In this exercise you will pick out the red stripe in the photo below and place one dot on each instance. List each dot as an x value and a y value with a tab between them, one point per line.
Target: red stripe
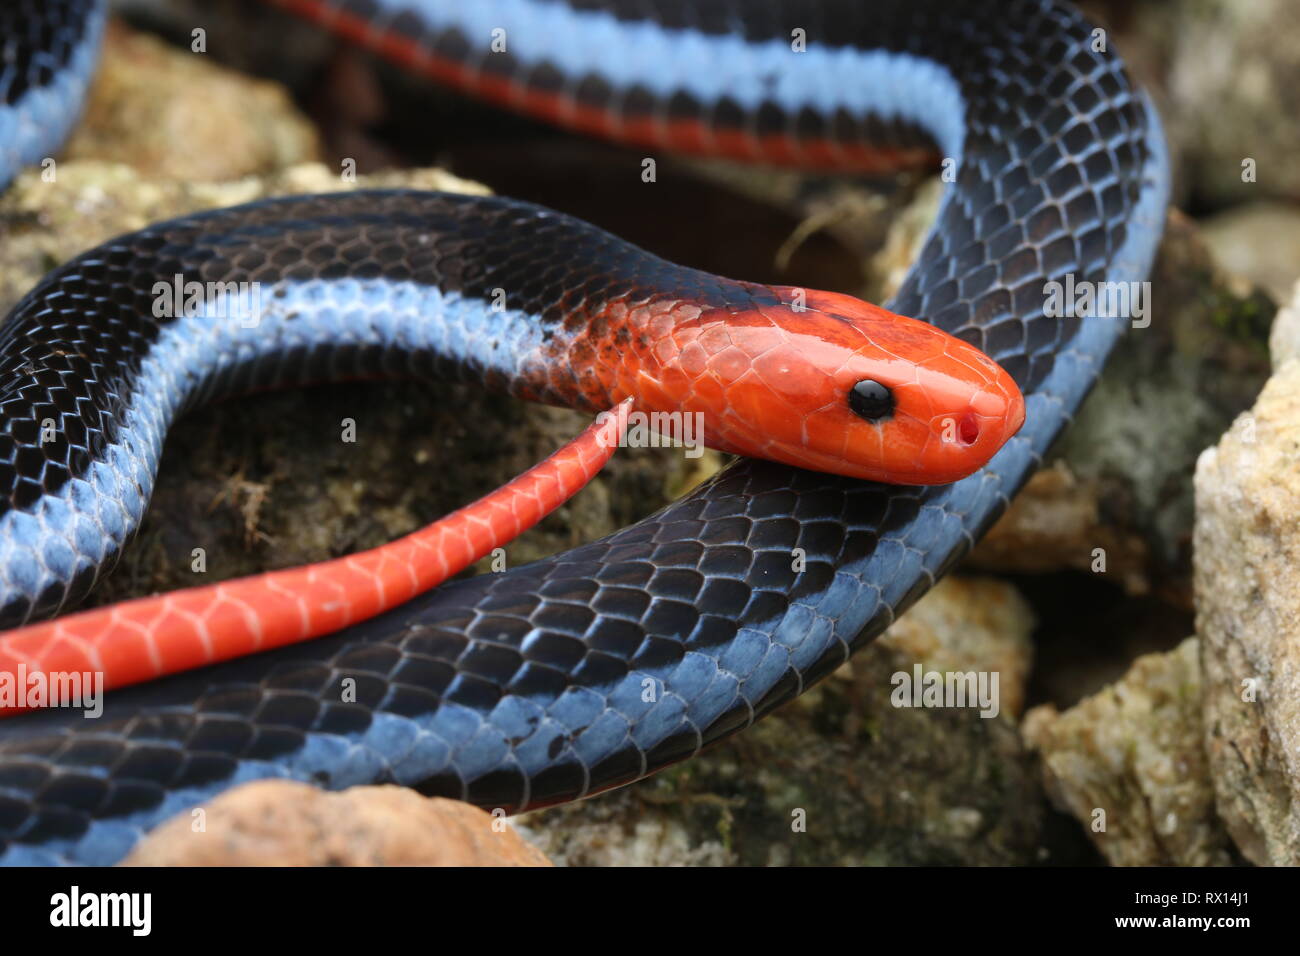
682	135
152	637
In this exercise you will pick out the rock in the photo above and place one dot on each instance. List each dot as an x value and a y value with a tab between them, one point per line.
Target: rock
213	124
1284	340
860	216
840	775
1226	76
1260	242
1248	616
1134	752
970	624
1060	521
284	823
906	234
44	223
620	829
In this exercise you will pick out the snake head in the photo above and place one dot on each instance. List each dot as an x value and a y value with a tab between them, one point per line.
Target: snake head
828	382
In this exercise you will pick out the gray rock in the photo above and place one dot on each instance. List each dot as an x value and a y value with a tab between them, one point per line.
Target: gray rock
1129	763
1247	618
1259	242
1225	74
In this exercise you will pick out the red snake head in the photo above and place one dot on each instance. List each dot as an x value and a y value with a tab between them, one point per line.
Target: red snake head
828	382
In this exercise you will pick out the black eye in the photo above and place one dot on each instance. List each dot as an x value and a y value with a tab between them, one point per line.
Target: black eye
871	400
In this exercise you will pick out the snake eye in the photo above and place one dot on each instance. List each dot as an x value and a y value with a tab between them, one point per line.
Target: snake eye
871	400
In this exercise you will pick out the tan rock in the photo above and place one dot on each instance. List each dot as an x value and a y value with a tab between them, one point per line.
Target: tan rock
284	823
971	624
213	123
1284	337
906	235
1128	762
1057	522
1227	74
1247	549
616	831
1260	242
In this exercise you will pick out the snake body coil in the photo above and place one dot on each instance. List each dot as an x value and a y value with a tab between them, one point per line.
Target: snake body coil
525	688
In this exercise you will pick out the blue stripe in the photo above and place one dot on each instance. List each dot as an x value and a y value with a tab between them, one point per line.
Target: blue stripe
667	61
88	520
35	126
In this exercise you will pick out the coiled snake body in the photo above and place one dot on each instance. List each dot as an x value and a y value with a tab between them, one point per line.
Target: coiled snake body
525	688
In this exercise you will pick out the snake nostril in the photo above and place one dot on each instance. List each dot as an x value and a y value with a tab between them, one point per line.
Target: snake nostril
968	429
